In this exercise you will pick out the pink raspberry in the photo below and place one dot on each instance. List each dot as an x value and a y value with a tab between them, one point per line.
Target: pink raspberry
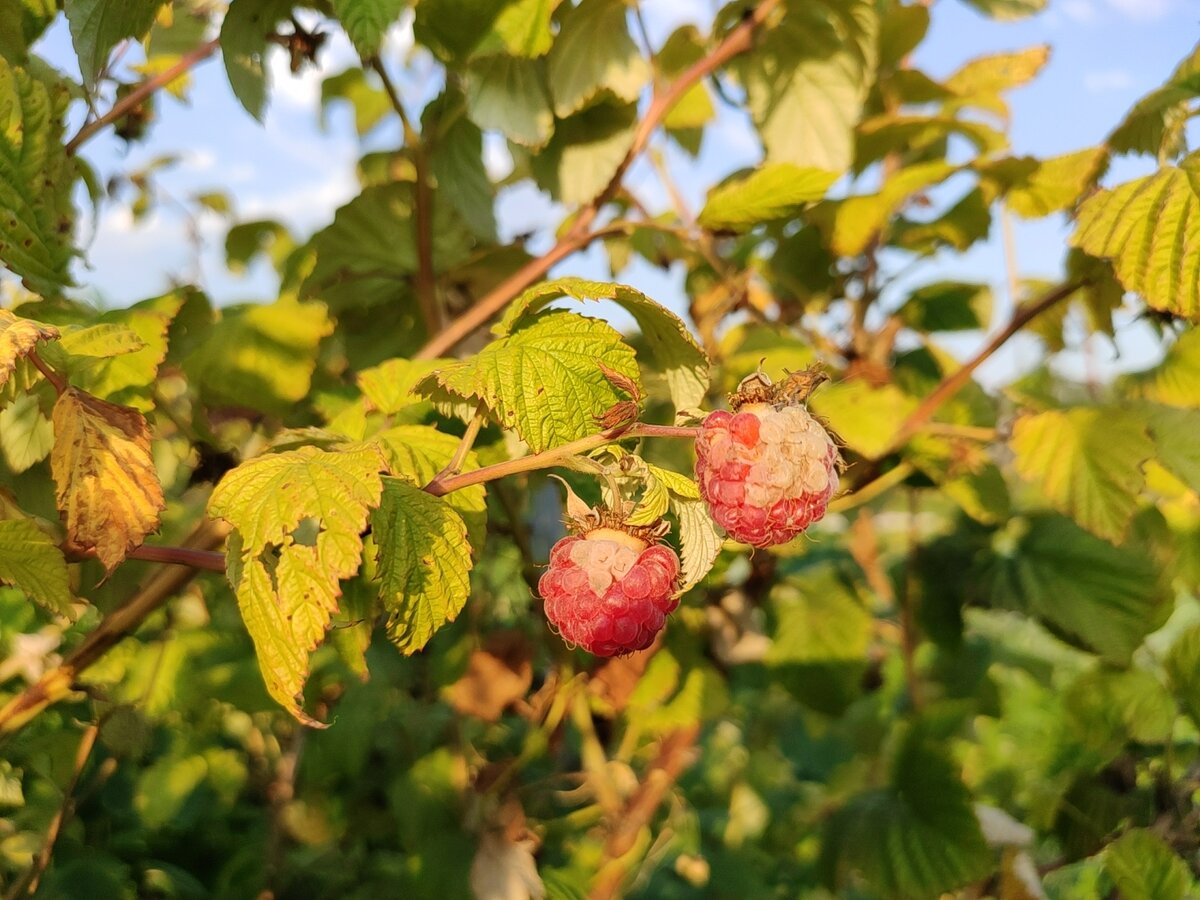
766	473
608	591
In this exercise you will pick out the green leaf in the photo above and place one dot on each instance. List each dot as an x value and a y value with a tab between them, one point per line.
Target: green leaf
36	179
367	21
31	562
390	385
594	52
417	453
298	518
586	149
544	380
1056	183
1176	380
244	33
857	219
807	81
370	104
21	23
1175	434
246	240
927	135
18	337
26	435
1150	229
261	357
1183	669
948	306
1101	597
983	79
866	418
699	541
1007	10
918	837
1108	709
509	94
1087	462
453	28
521	29
695	108
424	563
97	26
457	163
1145	868
900	32
963	470
100	340
773	191
674	352
1156	122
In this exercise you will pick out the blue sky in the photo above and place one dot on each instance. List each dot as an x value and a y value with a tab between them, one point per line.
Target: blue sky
1106	53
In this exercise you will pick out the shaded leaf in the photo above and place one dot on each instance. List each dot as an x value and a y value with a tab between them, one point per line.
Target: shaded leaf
1145	868
592	52
367	21
97	26
509	94
244	32
31	562
424	563
105	483
1183	669
26	435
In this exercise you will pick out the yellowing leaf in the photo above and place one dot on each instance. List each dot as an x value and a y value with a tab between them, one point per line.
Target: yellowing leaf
543	380
17	338
773	191
389	385
857	219
1055	184
699	541
1150	229
298	519
424	563
865	417
106	486
1087	462
31	562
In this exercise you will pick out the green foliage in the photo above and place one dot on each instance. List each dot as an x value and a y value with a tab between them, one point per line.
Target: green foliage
977	673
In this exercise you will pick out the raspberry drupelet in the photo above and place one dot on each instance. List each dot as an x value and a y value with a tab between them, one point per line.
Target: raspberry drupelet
609	591
767	470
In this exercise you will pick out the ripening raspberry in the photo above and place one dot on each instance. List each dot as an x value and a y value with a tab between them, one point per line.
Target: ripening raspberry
768	470
609	591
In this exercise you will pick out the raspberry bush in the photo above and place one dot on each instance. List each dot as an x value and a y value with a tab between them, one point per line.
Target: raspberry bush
291	605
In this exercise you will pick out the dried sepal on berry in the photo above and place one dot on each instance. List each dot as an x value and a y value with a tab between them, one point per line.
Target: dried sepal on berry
768	469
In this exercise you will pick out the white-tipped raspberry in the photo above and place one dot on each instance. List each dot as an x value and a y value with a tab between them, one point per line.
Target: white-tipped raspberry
608	591
766	472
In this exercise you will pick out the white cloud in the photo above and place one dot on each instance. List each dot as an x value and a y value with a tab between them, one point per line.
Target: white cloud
1142	9
1106	81
306	207
497	160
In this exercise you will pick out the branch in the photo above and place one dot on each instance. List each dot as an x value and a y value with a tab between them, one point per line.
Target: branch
135	97
48	372
425	283
579	235
56	684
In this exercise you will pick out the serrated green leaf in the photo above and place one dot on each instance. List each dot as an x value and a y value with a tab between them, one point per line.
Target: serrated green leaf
674	351
424	563
1145	868
995	73
584	152
1155	124
964	471
653	504
390	385
857	219
97	26
244	33
100	340
1150	229
1176	380
509	94
367	21
261	357
1108	709
1183	668
912	134
807	80
1007	10
457	163
772	191
1087	462
916	838
1175	433
680	485
1104	598
948	306
522	29
593	52
31	562
285	576
36	179
544	379
26	435
699	541
1055	184
417	453
453	28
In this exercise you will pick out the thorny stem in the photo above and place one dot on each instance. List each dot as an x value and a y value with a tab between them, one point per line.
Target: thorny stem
425	284
580	234
139	94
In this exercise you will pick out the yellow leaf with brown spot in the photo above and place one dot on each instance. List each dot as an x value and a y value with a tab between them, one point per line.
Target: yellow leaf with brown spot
106	486
17	337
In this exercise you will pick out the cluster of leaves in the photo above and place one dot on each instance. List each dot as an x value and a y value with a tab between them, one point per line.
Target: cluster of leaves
982	671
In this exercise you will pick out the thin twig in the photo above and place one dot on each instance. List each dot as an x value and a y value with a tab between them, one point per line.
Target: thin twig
464	446
736	42
425	283
48	372
135	97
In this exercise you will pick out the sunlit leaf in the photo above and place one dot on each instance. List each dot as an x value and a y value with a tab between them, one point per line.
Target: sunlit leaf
1145	868
17	338
31	562
593	52
105	482
773	191
699	540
